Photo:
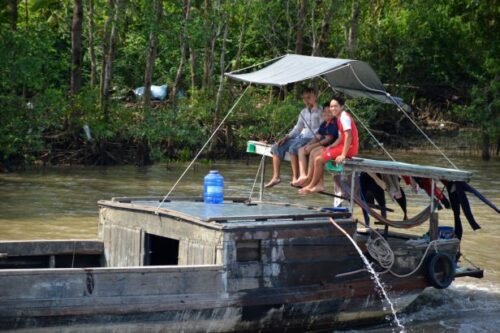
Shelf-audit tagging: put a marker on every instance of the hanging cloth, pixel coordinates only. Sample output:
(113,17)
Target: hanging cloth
(458,199)
(426,184)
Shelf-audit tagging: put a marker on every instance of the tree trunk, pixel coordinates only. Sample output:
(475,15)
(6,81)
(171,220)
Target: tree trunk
(240,42)
(320,42)
(212,35)
(299,37)
(301,20)
(152,49)
(109,54)
(352,30)
(218,98)
(486,147)
(192,62)
(183,40)
(13,14)
(93,62)
(498,145)
(76,47)
(26,13)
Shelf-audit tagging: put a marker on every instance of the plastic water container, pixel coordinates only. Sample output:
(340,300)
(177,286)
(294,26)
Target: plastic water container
(213,188)
(445,232)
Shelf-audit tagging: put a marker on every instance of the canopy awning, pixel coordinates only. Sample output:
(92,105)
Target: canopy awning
(352,77)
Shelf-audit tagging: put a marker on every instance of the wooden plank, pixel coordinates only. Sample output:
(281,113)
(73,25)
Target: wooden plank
(124,246)
(280,216)
(51,247)
(319,229)
(170,199)
(59,284)
(385,167)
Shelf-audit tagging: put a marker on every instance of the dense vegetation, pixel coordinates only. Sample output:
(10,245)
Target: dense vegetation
(70,65)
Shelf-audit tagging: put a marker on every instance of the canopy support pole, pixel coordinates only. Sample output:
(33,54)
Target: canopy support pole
(353,180)
(262,174)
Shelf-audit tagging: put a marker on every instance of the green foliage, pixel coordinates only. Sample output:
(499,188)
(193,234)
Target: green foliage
(422,49)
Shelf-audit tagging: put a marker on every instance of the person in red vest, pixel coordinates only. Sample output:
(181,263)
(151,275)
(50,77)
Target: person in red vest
(346,147)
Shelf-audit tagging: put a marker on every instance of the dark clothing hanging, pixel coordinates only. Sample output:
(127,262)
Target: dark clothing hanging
(472,190)
(458,200)
(371,192)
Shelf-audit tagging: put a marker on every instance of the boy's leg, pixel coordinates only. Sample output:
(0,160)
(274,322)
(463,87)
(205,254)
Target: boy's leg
(295,145)
(311,181)
(294,162)
(314,185)
(278,154)
(302,162)
(305,180)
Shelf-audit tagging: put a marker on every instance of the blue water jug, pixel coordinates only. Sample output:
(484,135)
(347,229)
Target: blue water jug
(213,188)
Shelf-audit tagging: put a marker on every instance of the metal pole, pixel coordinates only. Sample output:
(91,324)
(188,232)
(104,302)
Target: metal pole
(353,179)
(262,174)
(433,186)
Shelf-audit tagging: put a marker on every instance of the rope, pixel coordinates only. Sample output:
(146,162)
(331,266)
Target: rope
(358,119)
(380,250)
(470,262)
(201,150)
(260,63)
(74,253)
(405,113)
(381,145)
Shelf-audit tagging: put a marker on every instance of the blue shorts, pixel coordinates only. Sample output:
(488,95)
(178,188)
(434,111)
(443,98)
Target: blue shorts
(291,146)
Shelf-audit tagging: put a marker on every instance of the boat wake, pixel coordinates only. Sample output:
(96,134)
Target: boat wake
(463,307)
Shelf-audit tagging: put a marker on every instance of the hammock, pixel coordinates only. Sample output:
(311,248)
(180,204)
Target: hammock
(409,223)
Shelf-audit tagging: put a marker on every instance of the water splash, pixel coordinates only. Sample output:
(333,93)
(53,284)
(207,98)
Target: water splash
(374,274)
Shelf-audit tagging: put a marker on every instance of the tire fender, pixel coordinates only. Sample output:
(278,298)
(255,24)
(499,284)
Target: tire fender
(440,270)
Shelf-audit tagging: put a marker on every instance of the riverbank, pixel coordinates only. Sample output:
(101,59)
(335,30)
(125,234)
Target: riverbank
(455,143)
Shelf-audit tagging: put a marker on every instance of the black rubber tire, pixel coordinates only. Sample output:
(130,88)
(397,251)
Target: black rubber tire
(440,270)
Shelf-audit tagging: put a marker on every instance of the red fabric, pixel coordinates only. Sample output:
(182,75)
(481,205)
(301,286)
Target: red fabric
(426,184)
(332,153)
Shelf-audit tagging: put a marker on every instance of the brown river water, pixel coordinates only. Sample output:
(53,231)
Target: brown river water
(60,203)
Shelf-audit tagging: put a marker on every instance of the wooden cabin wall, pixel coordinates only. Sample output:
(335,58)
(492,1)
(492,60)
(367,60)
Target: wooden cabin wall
(288,257)
(123,233)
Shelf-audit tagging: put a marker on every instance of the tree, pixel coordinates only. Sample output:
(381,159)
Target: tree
(183,46)
(151,50)
(109,48)
(76,47)
(91,45)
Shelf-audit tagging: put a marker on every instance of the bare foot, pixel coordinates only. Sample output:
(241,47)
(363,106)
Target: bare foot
(300,181)
(317,188)
(273,182)
(305,190)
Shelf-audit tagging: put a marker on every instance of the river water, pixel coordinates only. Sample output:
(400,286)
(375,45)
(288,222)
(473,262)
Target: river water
(60,203)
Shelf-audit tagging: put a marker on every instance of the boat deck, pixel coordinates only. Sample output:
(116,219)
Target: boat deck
(232,213)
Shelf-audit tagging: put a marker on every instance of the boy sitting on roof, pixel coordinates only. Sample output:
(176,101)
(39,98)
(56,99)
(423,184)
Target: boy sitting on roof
(307,125)
(327,133)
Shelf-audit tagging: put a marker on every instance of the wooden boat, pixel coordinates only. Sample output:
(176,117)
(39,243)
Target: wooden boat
(183,265)
(191,266)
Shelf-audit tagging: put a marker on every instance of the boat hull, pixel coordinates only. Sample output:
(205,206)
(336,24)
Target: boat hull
(190,299)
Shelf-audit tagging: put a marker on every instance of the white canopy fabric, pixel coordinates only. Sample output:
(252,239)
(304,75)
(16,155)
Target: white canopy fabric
(352,77)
